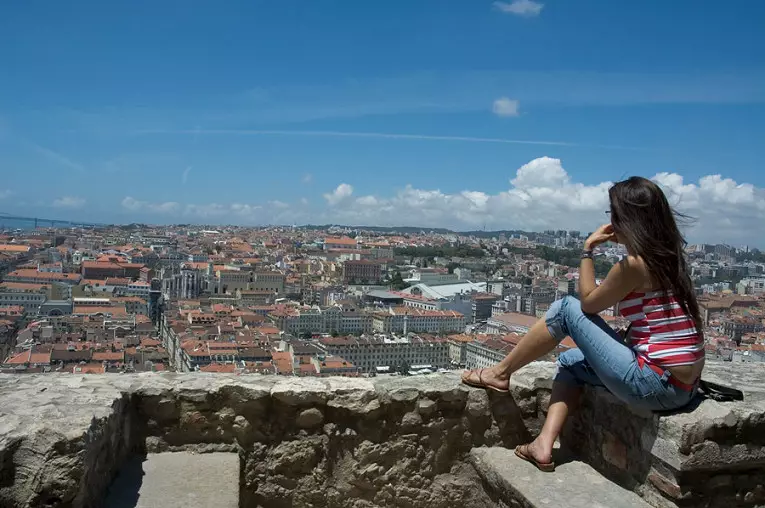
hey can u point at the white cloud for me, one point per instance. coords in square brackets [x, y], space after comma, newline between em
[69, 202]
[195, 211]
[206, 211]
[244, 209]
[307, 178]
[539, 195]
[542, 195]
[135, 205]
[505, 107]
[541, 172]
[185, 176]
[278, 204]
[526, 8]
[367, 201]
[340, 194]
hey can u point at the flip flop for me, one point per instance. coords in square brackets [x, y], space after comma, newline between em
[546, 467]
[482, 384]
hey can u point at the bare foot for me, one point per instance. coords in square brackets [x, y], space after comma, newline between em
[485, 377]
[541, 453]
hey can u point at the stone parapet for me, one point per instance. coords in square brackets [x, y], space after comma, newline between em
[707, 454]
[339, 442]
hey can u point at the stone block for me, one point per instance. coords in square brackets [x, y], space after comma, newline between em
[178, 480]
[683, 456]
[574, 484]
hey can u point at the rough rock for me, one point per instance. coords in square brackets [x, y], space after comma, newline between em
[391, 441]
[310, 418]
[685, 457]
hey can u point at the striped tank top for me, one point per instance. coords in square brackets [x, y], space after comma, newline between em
[662, 333]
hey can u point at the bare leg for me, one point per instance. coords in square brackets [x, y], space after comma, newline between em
[536, 343]
[564, 399]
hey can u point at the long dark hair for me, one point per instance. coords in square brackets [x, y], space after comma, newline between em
[645, 222]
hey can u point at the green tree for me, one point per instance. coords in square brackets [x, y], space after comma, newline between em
[397, 282]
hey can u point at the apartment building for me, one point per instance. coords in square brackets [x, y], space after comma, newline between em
[736, 326]
[408, 319]
[300, 321]
[103, 269]
[254, 297]
[29, 296]
[483, 354]
[36, 277]
[481, 305]
[268, 281]
[368, 353]
[751, 286]
[458, 349]
[361, 272]
[230, 280]
[340, 242]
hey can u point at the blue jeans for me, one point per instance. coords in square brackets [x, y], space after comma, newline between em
[602, 359]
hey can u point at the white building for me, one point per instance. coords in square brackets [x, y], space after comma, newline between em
[431, 276]
[479, 355]
[751, 286]
[408, 319]
[369, 353]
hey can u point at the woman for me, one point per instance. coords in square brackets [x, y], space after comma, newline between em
[658, 364]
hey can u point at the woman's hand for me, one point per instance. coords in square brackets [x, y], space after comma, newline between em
[604, 233]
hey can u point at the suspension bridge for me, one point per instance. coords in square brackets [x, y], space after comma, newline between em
[43, 222]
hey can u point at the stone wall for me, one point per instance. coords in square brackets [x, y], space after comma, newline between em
[336, 442]
[708, 454]
[302, 441]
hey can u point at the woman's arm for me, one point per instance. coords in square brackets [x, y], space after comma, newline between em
[621, 280]
[623, 277]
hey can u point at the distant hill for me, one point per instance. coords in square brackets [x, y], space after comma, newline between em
[416, 230]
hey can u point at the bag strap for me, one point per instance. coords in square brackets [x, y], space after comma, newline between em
[719, 392]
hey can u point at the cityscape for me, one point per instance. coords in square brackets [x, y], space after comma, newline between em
[335, 301]
[402, 254]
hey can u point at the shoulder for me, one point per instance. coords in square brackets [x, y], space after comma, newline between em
[632, 267]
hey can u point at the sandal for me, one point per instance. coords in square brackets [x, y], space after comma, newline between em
[546, 467]
[481, 383]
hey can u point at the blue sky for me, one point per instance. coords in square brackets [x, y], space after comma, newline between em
[399, 112]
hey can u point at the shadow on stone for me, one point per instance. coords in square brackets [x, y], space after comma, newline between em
[124, 491]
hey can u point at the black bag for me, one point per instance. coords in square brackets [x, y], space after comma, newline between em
[720, 393]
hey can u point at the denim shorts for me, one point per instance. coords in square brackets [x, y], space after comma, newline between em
[602, 359]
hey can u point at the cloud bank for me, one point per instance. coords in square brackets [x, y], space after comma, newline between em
[540, 195]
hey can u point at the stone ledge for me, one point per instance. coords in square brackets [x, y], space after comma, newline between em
[62, 437]
[574, 484]
[710, 452]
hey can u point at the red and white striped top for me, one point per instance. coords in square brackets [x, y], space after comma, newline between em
[662, 333]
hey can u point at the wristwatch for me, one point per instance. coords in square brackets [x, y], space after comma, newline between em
[587, 254]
